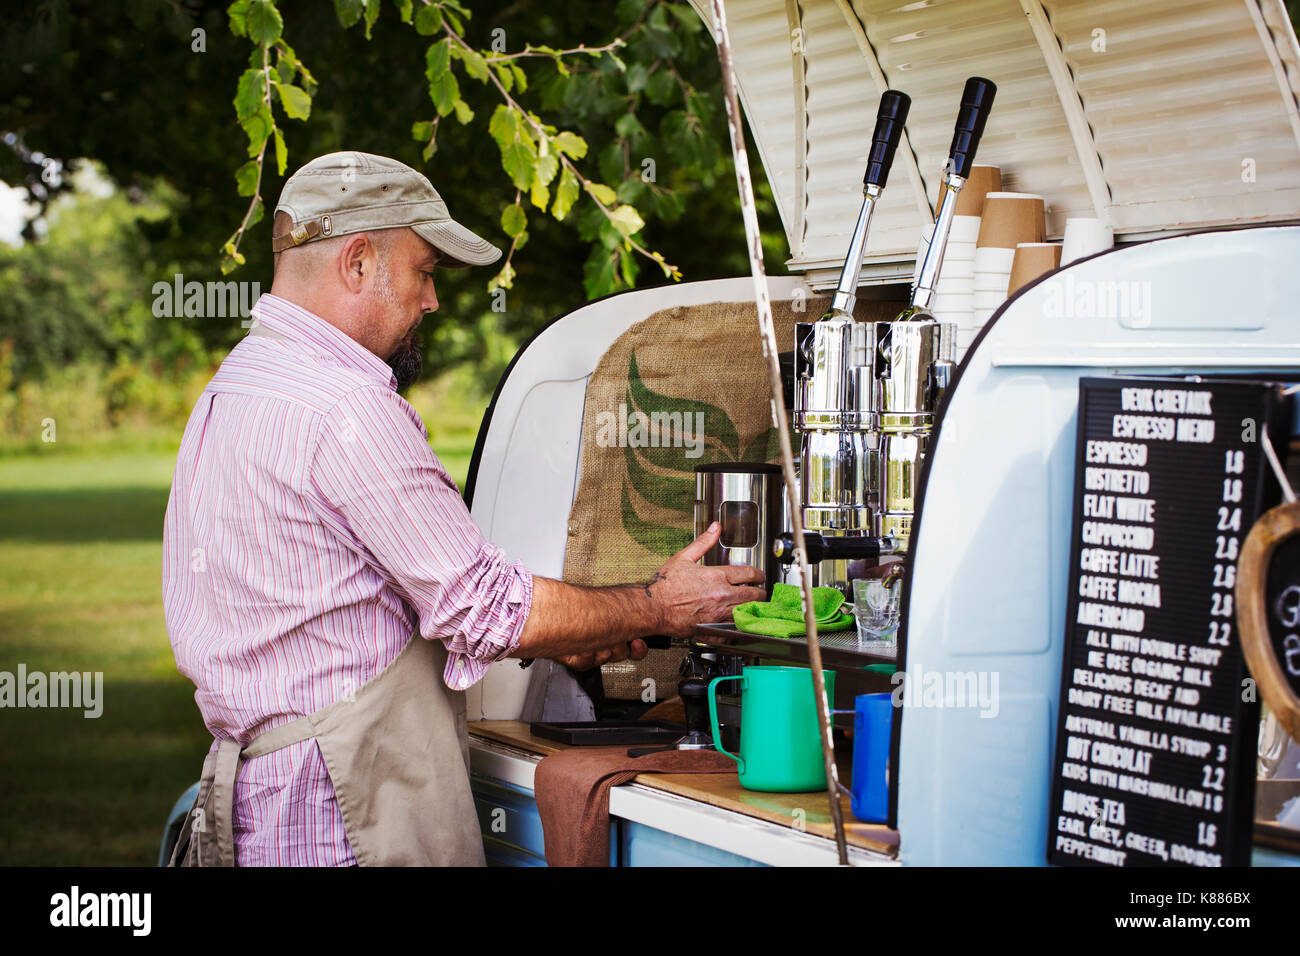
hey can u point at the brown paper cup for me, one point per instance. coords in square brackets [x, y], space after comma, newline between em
[1010, 219]
[982, 181]
[1032, 260]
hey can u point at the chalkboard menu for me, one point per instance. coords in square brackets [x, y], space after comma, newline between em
[1157, 722]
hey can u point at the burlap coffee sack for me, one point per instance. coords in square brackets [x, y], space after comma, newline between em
[678, 370]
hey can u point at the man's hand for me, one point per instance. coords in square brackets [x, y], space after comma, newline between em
[687, 593]
[634, 650]
[585, 627]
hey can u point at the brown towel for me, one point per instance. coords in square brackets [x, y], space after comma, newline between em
[572, 791]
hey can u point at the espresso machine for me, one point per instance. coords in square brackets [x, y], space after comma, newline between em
[867, 394]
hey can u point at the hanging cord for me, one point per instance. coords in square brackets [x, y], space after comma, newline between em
[767, 328]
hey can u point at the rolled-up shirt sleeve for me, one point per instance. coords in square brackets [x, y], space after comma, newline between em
[384, 488]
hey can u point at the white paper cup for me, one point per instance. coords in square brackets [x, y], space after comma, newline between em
[956, 302]
[1084, 237]
[958, 252]
[954, 299]
[991, 283]
[956, 270]
[994, 259]
[964, 229]
[952, 302]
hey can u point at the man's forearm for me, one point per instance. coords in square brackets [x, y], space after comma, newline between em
[590, 624]
[565, 619]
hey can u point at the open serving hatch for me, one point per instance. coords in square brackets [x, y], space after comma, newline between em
[1175, 122]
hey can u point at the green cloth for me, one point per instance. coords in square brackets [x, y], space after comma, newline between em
[783, 615]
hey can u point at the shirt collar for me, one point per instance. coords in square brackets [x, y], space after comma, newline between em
[306, 327]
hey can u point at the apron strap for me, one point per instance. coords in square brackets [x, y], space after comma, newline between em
[224, 772]
[277, 738]
[223, 792]
[258, 329]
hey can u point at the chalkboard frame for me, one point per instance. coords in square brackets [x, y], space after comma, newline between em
[1238, 814]
[1275, 535]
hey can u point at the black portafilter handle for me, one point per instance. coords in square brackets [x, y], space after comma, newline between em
[828, 547]
[694, 692]
[890, 120]
[976, 101]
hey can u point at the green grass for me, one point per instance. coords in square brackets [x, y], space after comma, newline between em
[80, 572]
[80, 589]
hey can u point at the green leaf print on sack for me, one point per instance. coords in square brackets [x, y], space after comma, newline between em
[663, 440]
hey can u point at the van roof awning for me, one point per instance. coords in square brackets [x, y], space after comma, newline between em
[1159, 116]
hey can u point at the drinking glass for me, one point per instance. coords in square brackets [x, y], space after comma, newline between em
[875, 607]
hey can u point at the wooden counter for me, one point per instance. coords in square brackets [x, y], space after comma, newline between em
[723, 790]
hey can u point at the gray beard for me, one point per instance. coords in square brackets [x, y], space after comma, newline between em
[407, 362]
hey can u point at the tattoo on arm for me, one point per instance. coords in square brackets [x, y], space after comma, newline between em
[654, 579]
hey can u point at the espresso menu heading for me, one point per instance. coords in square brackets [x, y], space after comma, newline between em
[1155, 736]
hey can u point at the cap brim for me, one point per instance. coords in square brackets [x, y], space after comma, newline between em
[459, 247]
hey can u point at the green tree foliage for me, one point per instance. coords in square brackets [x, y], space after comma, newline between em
[126, 85]
[77, 293]
[536, 156]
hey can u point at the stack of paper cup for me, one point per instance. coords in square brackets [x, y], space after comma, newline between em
[957, 277]
[1008, 220]
[970, 203]
[1032, 260]
[954, 294]
[992, 274]
[1084, 237]
[982, 181]
[953, 299]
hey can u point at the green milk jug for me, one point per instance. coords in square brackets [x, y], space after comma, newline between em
[780, 739]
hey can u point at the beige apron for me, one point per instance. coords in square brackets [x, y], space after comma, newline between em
[398, 756]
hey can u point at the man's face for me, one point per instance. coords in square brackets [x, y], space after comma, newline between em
[402, 291]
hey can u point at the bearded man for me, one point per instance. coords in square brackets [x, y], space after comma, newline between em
[325, 587]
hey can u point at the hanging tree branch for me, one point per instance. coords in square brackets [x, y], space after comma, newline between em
[538, 158]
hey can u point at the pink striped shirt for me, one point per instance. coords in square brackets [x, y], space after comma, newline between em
[309, 529]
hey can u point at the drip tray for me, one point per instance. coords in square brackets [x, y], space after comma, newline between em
[608, 733]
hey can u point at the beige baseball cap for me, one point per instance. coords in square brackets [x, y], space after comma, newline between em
[342, 193]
